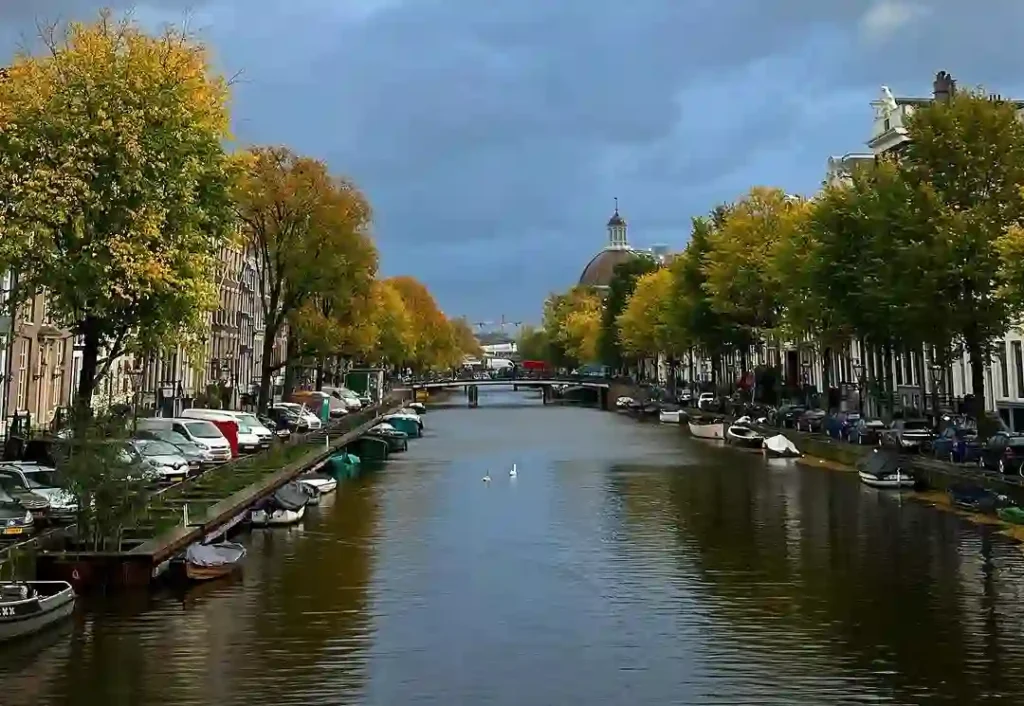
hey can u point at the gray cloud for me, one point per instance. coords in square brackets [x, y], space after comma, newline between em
[492, 136]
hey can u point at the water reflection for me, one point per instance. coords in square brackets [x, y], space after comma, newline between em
[625, 564]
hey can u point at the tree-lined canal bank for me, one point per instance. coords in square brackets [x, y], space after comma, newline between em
[626, 563]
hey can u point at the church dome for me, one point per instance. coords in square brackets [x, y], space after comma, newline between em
[601, 268]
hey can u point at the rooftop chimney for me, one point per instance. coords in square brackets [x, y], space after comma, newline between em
[944, 87]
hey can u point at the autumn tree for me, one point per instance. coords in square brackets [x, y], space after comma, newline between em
[573, 321]
[431, 332]
[387, 333]
[620, 289]
[307, 231]
[643, 324]
[114, 186]
[466, 341]
[534, 344]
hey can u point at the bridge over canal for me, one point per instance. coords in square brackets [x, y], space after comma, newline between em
[546, 384]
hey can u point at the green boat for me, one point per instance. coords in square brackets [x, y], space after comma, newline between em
[343, 465]
[371, 449]
[1013, 514]
[407, 423]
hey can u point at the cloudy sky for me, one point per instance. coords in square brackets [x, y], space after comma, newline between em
[492, 135]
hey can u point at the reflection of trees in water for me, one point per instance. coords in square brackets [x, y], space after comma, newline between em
[312, 622]
[877, 583]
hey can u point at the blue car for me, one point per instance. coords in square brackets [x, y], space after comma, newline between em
[957, 445]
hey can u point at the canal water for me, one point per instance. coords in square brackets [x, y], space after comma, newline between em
[626, 564]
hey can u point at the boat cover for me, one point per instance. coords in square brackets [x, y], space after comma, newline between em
[214, 554]
[881, 463]
[745, 432]
[743, 420]
[289, 497]
[781, 445]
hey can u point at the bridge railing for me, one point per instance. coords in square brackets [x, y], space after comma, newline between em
[526, 378]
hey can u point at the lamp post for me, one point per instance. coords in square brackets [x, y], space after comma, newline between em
[937, 375]
[135, 375]
[858, 370]
[806, 368]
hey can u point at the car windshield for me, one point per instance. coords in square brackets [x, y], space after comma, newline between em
[156, 448]
[203, 430]
[875, 424]
[249, 420]
[11, 480]
[41, 478]
[171, 437]
[1015, 441]
[915, 425]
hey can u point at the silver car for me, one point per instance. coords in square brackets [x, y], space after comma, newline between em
[163, 458]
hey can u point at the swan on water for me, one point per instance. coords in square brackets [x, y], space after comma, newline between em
[513, 473]
[487, 478]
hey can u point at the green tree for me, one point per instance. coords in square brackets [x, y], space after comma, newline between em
[620, 289]
[967, 154]
[573, 322]
[308, 234]
[114, 186]
[534, 343]
[643, 324]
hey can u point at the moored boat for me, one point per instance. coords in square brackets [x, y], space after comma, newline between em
[740, 435]
[417, 407]
[28, 607]
[396, 440]
[285, 507]
[886, 470]
[672, 416]
[407, 422]
[205, 562]
[324, 483]
[344, 465]
[779, 446]
[1012, 514]
[973, 498]
[707, 428]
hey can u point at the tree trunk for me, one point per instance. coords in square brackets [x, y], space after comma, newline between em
[979, 360]
[90, 333]
[266, 372]
[826, 376]
[292, 369]
[890, 394]
[320, 364]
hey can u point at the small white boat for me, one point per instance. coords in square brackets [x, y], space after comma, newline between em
[885, 470]
[707, 430]
[276, 517]
[780, 447]
[325, 484]
[671, 416]
[740, 435]
[27, 607]
[623, 402]
[417, 407]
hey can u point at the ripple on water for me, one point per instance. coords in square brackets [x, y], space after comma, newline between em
[626, 564]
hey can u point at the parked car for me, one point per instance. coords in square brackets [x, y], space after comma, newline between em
[812, 420]
[201, 433]
[867, 431]
[42, 480]
[229, 423]
[787, 414]
[15, 521]
[254, 425]
[14, 484]
[909, 435]
[280, 431]
[838, 425]
[195, 456]
[957, 444]
[1004, 453]
[163, 458]
[312, 420]
[288, 418]
[706, 400]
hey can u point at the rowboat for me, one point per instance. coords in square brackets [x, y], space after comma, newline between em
[28, 607]
[885, 470]
[205, 562]
[739, 435]
[707, 429]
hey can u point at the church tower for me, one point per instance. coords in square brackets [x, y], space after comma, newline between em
[617, 231]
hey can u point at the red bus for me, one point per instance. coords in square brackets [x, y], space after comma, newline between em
[534, 365]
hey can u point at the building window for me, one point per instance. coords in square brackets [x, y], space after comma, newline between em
[57, 374]
[20, 401]
[1018, 363]
[1004, 376]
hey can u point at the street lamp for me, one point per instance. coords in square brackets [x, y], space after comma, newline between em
[135, 375]
[858, 370]
[937, 375]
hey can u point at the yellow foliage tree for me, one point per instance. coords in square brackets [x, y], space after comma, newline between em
[573, 321]
[308, 233]
[114, 186]
[430, 337]
[644, 325]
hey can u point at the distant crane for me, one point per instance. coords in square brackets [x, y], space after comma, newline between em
[500, 324]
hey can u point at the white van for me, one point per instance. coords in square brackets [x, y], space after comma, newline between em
[303, 411]
[346, 395]
[248, 441]
[255, 426]
[201, 433]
